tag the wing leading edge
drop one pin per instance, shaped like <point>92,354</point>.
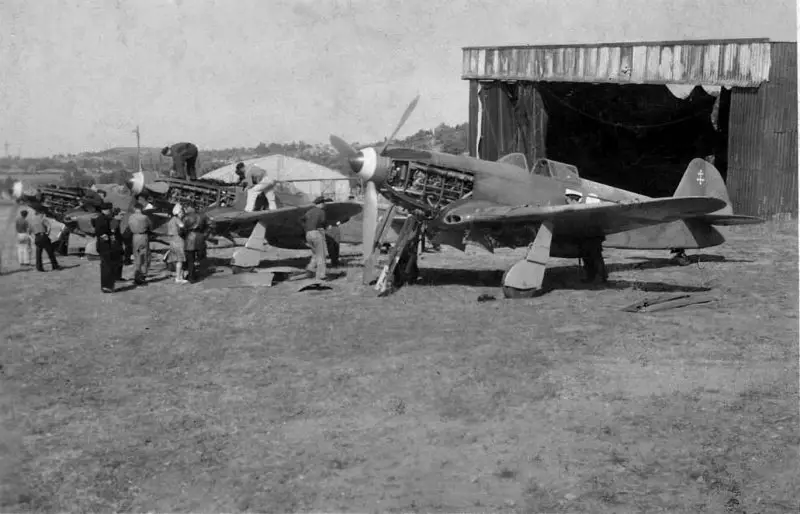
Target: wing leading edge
<point>581,219</point>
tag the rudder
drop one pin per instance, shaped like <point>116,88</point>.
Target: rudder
<point>701,178</point>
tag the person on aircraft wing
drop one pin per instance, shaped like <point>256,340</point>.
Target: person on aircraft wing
<point>184,160</point>
<point>240,175</point>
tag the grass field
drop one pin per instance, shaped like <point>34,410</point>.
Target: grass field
<point>176,398</point>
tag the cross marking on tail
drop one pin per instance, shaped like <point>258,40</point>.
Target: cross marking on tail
<point>700,177</point>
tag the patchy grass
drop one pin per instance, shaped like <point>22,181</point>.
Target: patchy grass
<point>180,398</point>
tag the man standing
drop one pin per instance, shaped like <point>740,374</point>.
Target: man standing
<point>40,228</point>
<point>140,227</point>
<point>197,225</point>
<point>23,239</point>
<point>109,239</point>
<point>184,160</point>
<point>314,222</point>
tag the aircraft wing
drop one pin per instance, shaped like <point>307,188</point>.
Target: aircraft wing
<point>581,219</point>
<point>228,218</point>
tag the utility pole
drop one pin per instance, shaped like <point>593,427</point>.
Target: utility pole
<point>138,150</point>
<point>7,154</point>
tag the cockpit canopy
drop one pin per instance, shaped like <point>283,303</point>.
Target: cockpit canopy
<point>515,159</point>
<point>543,167</point>
<point>557,170</point>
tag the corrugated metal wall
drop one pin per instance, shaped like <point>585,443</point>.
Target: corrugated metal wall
<point>722,62</point>
<point>762,141</point>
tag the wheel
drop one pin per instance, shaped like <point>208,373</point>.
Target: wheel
<point>514,293</point>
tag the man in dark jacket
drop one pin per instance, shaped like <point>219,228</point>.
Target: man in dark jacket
<point>109,242</point>
<point>184,159</point>
<point>197,226</point>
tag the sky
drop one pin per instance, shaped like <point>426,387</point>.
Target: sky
<point>79,75</point>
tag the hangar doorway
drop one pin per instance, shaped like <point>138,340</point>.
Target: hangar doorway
<point>638,137</point>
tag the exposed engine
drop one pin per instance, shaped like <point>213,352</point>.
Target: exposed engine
<point>56,200</point>
<point>200,194</point>
<point>430,187</point>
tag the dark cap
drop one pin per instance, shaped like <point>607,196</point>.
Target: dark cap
<point>164,150</point>
<point>106,206</point>
<point>320,199</point>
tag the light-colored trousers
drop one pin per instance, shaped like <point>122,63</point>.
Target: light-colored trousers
<point>141,255</point>
<point>316,241</point>
<point>24,248</point>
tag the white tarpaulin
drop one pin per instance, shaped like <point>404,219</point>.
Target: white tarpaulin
<point>683,91</point>
<point>312,179</point>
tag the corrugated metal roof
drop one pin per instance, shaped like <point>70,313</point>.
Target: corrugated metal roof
<point>743,63</point>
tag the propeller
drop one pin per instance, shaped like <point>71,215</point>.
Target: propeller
<point>142,180</point>
<point>373,168</point>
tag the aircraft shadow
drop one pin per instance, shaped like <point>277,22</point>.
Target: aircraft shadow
<point>564,277</point>
<point>665,262</point>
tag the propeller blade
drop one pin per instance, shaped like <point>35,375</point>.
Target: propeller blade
<point>403,119</point>
<point>370,219</point>
<point>343,147</point>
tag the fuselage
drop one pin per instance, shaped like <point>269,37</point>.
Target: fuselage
<point>509,182</point>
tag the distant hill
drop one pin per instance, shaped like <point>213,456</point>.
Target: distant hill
<point>113,166</point>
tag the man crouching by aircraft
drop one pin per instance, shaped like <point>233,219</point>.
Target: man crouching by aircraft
<point>314,223</point>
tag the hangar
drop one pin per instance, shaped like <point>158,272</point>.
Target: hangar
<point>634,114</point>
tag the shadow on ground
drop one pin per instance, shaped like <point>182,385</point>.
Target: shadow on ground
<point>562,277</point>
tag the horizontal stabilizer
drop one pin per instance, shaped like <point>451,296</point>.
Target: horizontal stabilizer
<point>730,219</point>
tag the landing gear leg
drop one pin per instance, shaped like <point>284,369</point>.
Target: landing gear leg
<point>402,266</point>
<point>594,264</point>
<point>524,279</point>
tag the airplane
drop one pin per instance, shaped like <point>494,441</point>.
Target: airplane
<point>547,208</point>
<point>223,203</point>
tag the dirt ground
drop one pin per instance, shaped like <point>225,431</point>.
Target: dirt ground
<point>189,398</point>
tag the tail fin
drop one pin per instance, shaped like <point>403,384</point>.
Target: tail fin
<point>701,178</point>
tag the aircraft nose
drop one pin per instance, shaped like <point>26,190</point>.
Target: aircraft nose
<point>357,162</point>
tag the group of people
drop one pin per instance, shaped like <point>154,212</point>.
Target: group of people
<point>187,231</point>
<point>34,229</point>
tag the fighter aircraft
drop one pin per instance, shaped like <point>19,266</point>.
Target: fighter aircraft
<point>234,210</point>
<point>547,208</point>
<point>225,204</point>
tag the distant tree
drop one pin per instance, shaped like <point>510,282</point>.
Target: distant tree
<point>119,176</point>
<point>262,149</point>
